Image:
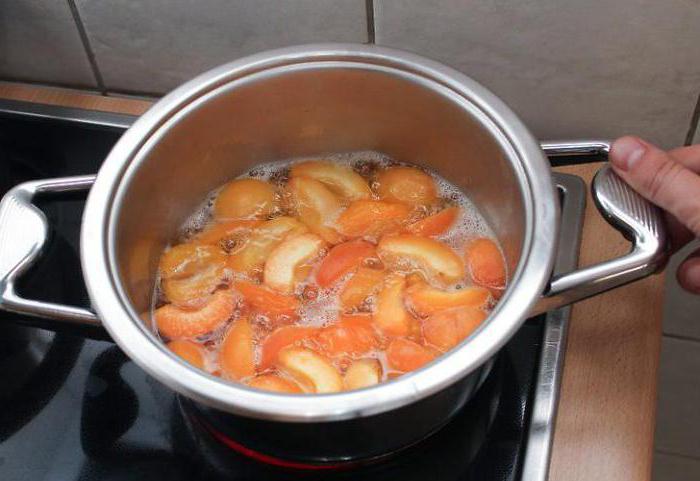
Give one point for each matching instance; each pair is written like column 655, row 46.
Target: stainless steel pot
column 307, row 101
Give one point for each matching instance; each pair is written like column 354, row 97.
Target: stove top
column 74, row 407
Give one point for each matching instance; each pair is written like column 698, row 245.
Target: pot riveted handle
column 636, row 218
column 23, row 233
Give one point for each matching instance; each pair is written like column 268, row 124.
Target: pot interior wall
column 308, row 110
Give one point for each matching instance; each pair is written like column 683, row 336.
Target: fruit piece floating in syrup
column 326, row 279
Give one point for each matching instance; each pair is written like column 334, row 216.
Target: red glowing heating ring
column 265, row 458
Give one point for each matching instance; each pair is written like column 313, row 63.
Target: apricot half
column 189, row 351
column 191, row 272
column 316, row 206
column 351, row 335
column 280, row 338
column 426, row 300
column 245, row 199
column 281, row 265
column 390, row 315
column 174, row 322
column 404, row 355
column 236, row 357
column 434, row 258
column 310, row 369
column 339, row 178
column 372, row 218
column 251, row 256
column 362, row 373
column 436, row 224
column 274, row 383
column 485, row 263
column 267, row 301
column 360, row 286
column 184, row 260
column 342, row 259
column 233, row 232
column 406, row 184
column 446, row 329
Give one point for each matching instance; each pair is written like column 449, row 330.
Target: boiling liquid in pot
column 249, row 321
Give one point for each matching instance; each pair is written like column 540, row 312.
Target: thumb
column 658, row 177
column 689, row 273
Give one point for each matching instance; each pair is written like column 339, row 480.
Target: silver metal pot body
column 309, row 101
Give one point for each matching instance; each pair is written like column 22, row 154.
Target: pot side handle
column 636, row 218
column 23, row 233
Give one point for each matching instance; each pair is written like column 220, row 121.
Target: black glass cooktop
column 74, row 407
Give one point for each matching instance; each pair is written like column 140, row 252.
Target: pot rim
column 527, row 284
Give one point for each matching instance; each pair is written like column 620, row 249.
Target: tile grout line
column 86, row 45
column 369, row 7
column 679, row 455
column 680, row 337
column 694, row 121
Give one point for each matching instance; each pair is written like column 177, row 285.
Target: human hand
column 670, row 180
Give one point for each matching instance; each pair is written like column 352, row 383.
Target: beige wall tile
column 668, row 467
column 570, row 69
column 154, row 46
column 678, row 416
column 39, row 42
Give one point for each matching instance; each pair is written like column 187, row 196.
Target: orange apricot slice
column 360, row 286
column 192, row 292
column 362, row 373
column 404, row 355
column 255, row 250
column 280, row 338
column 446, row 329
column 426, row 300
column 310, row 369
column 436, row 224
column 267, row 301
column 175, row 323
column 189, row 351
column 274, row 383
column 316, row 206
column 351, row 335
column 234, row 231
column 391, row 316
column 435, row 258
column 245, row 199
column 185, row 260
column 236, row 356
column 406, row 184
column 372, row 218
column 340, row 179
column 191, row 272
column 485, row 263
column 281, row 265
column 342, row 259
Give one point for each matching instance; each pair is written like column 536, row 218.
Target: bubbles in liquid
column 323, row 308
column 469, row 224
column 200, row 218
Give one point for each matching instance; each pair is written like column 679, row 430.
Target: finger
column 678, row 233
column 689, row 156
column 659, row 178
column 688, row 273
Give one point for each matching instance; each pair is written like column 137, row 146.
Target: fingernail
column 692, row 276
column 626, row 152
